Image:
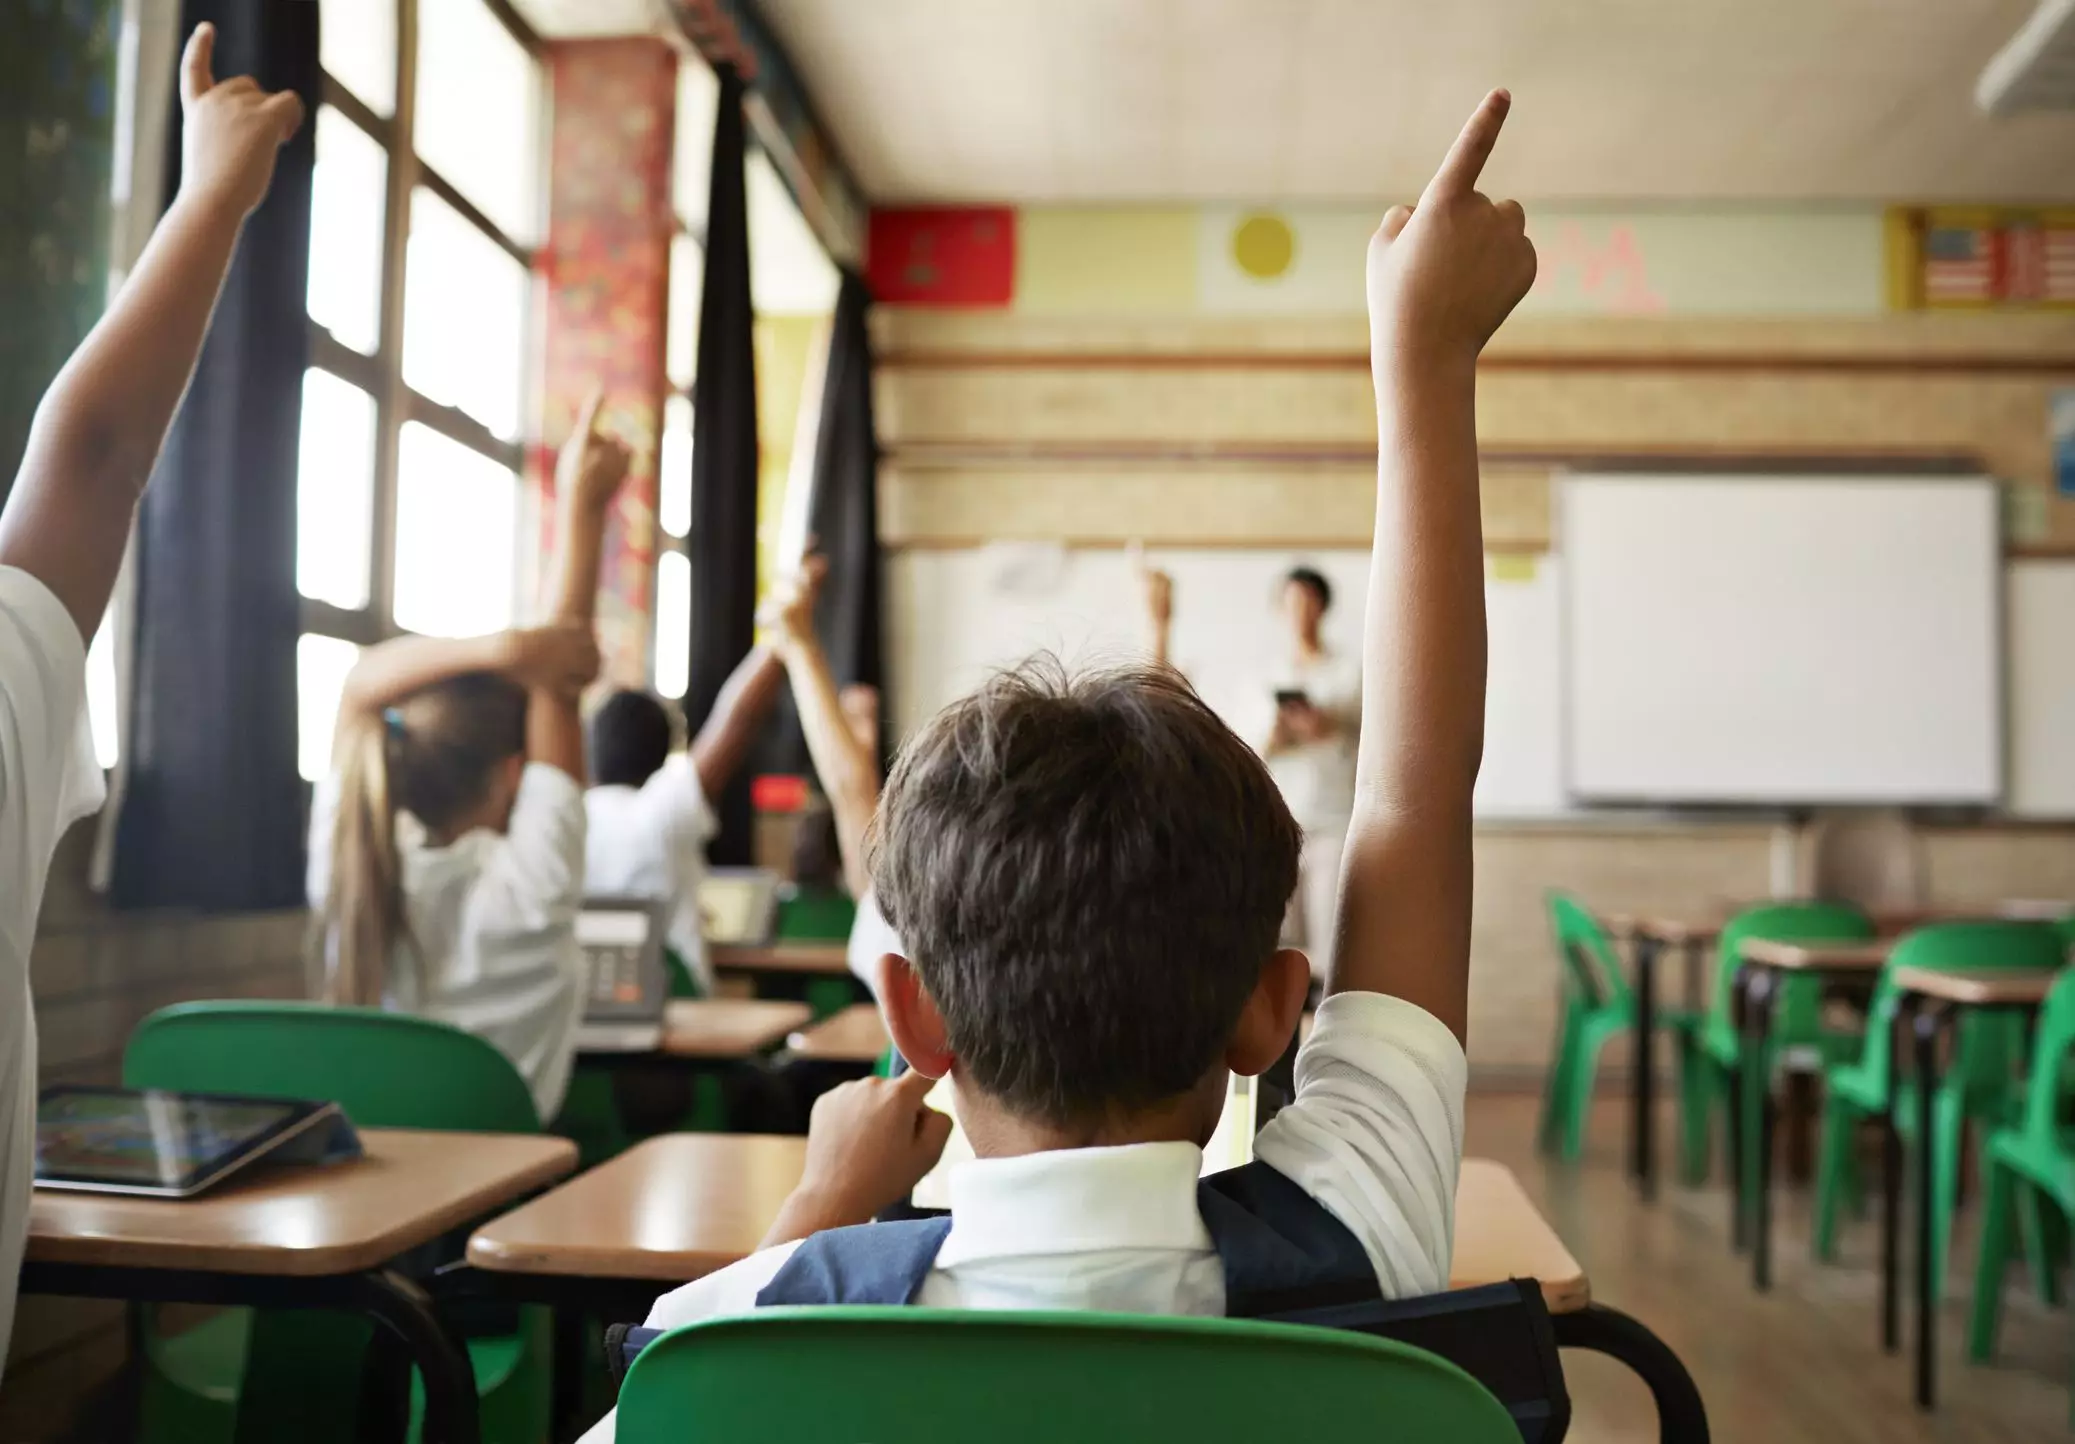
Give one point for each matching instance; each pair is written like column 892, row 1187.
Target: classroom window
column 674, row 511
column 673, row 623
column 421, row 333
column 321, row 665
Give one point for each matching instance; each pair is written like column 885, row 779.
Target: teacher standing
column 1310, row 750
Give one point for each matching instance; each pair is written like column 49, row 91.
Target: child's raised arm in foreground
column 1442, row 276
column 99, row 428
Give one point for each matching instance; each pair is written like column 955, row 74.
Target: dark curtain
column 213, row 813
column 724, row 458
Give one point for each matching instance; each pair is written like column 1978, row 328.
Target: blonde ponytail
column 364, row 908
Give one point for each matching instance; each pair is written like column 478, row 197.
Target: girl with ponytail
column 447, row 846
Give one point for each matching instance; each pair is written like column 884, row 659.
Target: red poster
column 953, row 256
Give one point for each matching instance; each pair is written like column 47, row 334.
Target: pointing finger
column 586, row 424
column 1394, row 221
column 1465, row 159
column 196, row 76
column 916, row 1084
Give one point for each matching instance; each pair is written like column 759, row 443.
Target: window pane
column 464, row 317
column 321, row 665
column 335, row 491
column 789, row 273
column 478, row 109
column 673, row 623
column 101, row 711
column 456, row 527
column 347, row 195
column 687, row 280
column 691, row 178
column 357, row 48
column 674, row 508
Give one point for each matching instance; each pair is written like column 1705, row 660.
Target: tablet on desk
column 174, row 1145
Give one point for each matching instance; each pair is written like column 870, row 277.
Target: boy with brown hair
column 1088, row 877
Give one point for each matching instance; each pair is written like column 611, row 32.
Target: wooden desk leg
column 1891, row 1188
column 1643, row 1124
column 1762, row 989
column 1930, row 1020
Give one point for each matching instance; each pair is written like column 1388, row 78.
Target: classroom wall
column 1118, row 391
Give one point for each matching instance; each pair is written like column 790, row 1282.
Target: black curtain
column 845, row 514
column 213, row 814
column 724, row 458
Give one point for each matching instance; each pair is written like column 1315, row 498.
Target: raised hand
column 1443, row 275
column 593, row 462
column 561, row 657
column 789, row 611
column 231, row 131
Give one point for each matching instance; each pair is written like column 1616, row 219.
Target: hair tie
column 392, row 718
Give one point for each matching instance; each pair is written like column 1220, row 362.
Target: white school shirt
column 1375, row 1134
column 650, row 842
column 48, row 781
column 1318, row 778
column 492, row 919
column 871, row 938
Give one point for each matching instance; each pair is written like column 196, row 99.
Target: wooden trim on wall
column 1828, row 460
column 1976, row 363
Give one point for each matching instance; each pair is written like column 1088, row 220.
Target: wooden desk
column 1661, row 927
column 2027, row 989
column 1500, row 1235
column 855, row 1035
column 717, row 1029
column 1818, row 957
column 677, row 1208
column 826, row 960
column 303, row 1237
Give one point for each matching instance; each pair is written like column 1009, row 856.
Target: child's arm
column 561, row 657
column 745, row 700
column 587, row 478
column 847, row 766
column 99, row 428
column 1158, row 587
column 1441, row 278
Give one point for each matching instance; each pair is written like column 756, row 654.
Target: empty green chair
column 301, row 1371
column 2030, row 1169
column 1797, row 1022
column 1979, row 1084
column 1597, row 1004
column 1039, row 1378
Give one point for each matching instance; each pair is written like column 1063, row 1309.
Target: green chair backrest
column 387, row 1070
column 1591, row 970
column 936, row 1376
column 2052, row 1046
column 1779, row 922
column 815, row 915
column 1988, row 1042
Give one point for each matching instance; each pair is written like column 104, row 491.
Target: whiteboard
column 1782, row 639
column 954, row 616
column 2041, row 619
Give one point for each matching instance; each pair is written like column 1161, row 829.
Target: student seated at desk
column 90, row 452
column 650, row 819
column 447, row 845
column 1090, row 877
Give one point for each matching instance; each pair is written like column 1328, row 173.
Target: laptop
column 1231, row 1146
column 622, row 943
column 175, row 1145
column 738, row 906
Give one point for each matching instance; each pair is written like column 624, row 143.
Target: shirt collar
column 1076, row 1200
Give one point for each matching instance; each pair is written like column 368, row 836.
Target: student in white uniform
column 649, row 810
column 1105, row 856
column 1310, row 749
column 447, row 845
column 90, row 453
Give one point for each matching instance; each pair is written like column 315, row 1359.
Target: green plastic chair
column 1038, row 1378
column 296, row 1369
column 2031, row 1172
column 1797, row 1023
column 1980, row 1085
column 1598, row 1004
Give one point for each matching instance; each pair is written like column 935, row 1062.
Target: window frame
column 380, row 375
column 665, row 543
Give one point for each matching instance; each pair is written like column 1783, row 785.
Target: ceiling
column 1112, row 100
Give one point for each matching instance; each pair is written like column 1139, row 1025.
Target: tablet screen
column 118, row 1137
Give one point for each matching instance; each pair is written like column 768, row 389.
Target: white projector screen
column 1782, row 639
